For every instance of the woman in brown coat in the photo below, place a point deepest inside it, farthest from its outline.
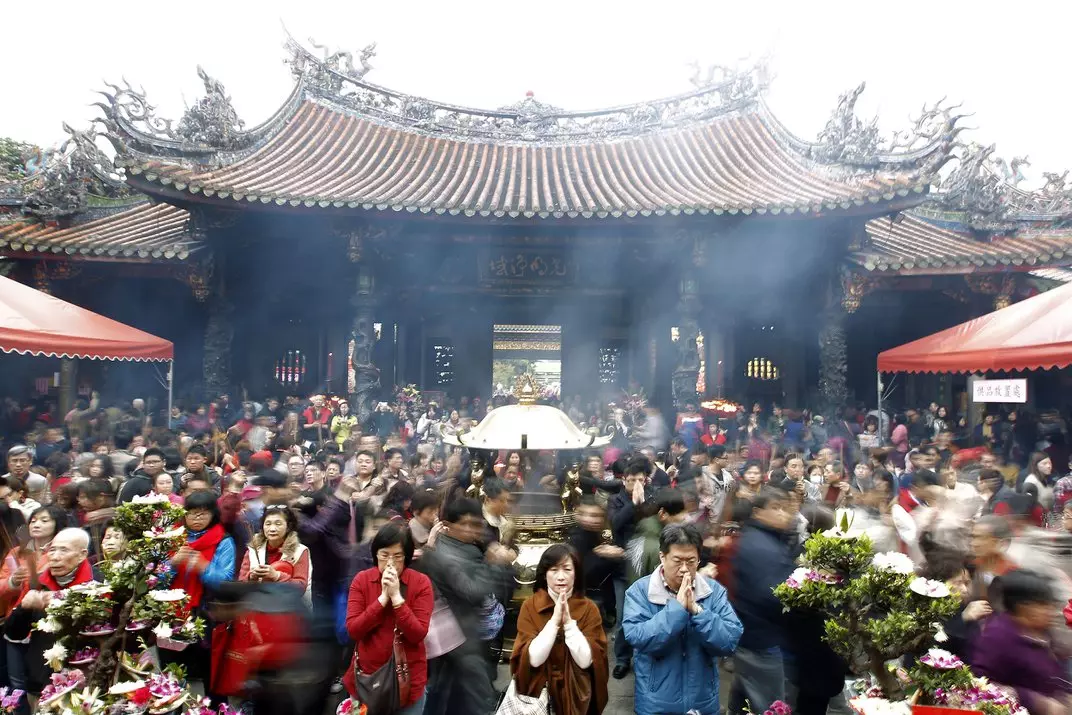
(560, 641)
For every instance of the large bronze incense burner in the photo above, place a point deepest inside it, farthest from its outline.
(539, 519)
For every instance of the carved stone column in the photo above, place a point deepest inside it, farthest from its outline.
(833, 359)
(219, 337)
(365, 382)
(68, 384)
(687, 363)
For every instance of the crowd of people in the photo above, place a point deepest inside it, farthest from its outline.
(403, 549)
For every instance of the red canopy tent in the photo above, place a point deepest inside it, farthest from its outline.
(1034, 334)
(35, 323)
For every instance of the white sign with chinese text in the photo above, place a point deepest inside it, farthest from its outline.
(999, 390)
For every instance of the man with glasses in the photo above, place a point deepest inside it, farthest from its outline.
(19, 460)
(763, 561)
(678, 623)
(141, 481)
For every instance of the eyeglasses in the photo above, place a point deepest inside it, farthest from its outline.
(684, 562)
(397, 558)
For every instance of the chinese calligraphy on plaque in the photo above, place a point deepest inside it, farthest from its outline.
(537, 267)
(999, 390)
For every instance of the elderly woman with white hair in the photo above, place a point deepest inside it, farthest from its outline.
(68, 565)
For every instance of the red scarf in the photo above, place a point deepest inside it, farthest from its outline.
(909, 503)
(907, 500)
(83, 574)
(189, 579)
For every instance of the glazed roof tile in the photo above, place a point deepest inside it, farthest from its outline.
(341, 142)
(144, 232)
(910, 244)
(1058, 275)
(323, 157)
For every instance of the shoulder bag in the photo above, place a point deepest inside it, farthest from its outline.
(387, 690)
(513, 703)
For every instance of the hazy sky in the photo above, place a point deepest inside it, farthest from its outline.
(1007, 62)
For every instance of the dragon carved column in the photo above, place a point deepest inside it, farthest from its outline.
(364, 377)
(833, 352)
(219, 336)
(687, 365)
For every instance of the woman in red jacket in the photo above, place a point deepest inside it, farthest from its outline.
(387, 596)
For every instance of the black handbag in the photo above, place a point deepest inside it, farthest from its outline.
(19, 624)
(384, 691)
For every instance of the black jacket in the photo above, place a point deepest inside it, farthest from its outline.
(209, 474)
(763, 561)
(323, 530)
(138, 485)
(624, 515)
(463, 578)
(818, 670)
(596, 568)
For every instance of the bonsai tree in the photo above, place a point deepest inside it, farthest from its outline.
(105, 629)
(876, 609)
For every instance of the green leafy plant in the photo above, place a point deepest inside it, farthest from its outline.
(875, 608)
(122, 678)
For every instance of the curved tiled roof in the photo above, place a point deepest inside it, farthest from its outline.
(144, 232)
(909, 243)
(323, 157)
(1057, 275)
(344, 143)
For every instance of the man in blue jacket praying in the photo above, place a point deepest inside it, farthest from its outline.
(679, 624)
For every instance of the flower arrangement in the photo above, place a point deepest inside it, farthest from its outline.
(9, 699)
(875, 608)
(203, 707)
(165, 606)
(84, 656)
(634, 402)
(138, 665)
(87, 607)
(346, 707)
(778, 707)
(104, 631)
(941, 679)
(60, 685)
(409, 395)
(551, 392)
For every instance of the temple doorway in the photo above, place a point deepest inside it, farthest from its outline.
(520, 349)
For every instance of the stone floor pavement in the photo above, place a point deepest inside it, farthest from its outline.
(620, 691)
(620, 700)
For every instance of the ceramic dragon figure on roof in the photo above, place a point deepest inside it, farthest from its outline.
(212, 120)
(343, 62)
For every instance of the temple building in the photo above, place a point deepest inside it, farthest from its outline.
(361, 237)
